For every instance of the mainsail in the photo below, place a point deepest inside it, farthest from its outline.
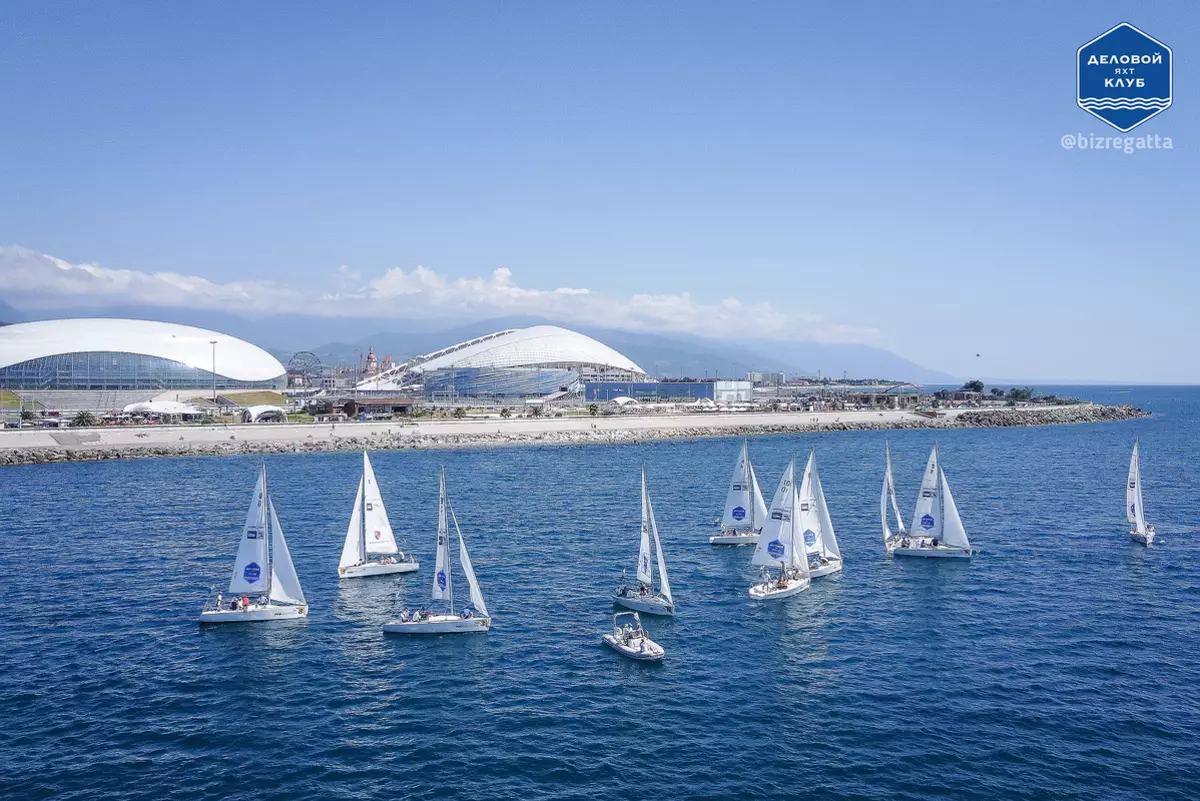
(739, 503)
(759, 509)
(1133, 493)
(353, 551)
(285, 584)
(776, 541)
(378, 531)
(828, 540)
(442, 589)
(664, 584)
(927, 517)
(888, 495)
(645, 568)
(251, 567)
(953, 533)
(808, 521)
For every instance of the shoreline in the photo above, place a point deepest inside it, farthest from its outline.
(42, 446)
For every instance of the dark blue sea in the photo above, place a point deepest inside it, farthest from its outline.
(1061, 662)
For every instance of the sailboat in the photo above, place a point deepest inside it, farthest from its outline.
(1141, 531)
(474, 617)
(643, 598)
(888, 496)
(937, 530)
(824, 556)
(779, 545)
(264, 585)
(745, 509)
(370, 534)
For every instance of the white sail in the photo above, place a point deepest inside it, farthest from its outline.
(884, 494)
(645, 568)
(352, 548)
(379, 537)
(739, 509)
(799, 553)
(664, 584)
(953, 533)
(251, 569)
(759, 516)
(442, 589)
(776, 540)
(285, 584)
(1133, 493)
(927, 516)
(889, 482)
(469, 570)
(828, 539)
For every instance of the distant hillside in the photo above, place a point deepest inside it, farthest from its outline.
(9, 315)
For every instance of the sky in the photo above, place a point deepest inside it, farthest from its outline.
(879, 173)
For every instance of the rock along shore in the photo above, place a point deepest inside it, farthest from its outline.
(42, 446)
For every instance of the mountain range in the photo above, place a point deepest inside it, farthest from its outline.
(340, 340)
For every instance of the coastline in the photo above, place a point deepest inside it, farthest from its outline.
(41, 446)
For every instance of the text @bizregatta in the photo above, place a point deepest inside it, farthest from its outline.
(1117, 144)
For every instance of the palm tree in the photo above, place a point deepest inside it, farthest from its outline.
(83, 420)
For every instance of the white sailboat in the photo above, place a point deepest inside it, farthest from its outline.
(937, 530)
(370, 535)
(1140, 530)
(888, 497)
(264, 585)
(780, 545)
(745, 510)
(824, 555)
(643, 598)
(474, 617)
(629, 639)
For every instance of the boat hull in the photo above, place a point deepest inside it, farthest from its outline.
(833, 566)
(440, 624)
(733, 539)
(653, 652)
(771, 591)
(1144, 539)
(650, 604)
(255, 614)
(377, 569)
(933, 553)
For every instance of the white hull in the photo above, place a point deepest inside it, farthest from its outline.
(377, 569)
(931, 552)
(440, 624)
(733, 539)
(771, 591)
(1144, 539)
(650, 604)
(650, 651)
(255, 614)
(833, 566)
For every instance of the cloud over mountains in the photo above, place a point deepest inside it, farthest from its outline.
(37, 280)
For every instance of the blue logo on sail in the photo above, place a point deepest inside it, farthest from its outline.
(252, 573)
(738, 513)
(927, 522)
(810, 537)
(1131, 509)
(1124, 77)
(776, 549)
(441, 579)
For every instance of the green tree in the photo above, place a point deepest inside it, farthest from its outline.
(997, 392)
(975, 385)
(26, 414)
(83, 420)
(460, 412)
(593, 409)
(535, 411)
(506, 412)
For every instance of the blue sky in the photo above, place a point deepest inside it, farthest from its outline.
(875, 173)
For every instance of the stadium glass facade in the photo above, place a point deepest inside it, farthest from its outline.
(650, 390)
(103, 370)
(497, 383)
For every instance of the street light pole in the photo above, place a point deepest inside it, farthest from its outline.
(213, 342)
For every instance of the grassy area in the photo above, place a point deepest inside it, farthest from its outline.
(260, 398)
(9, 399)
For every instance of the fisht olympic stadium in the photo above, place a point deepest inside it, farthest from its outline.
(540, 361)
(111, 354)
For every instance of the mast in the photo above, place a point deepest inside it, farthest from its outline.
(362, 509)
(750, 476)
(793, 521)
(266, 528)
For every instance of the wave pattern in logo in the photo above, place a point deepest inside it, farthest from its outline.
(1125, 103)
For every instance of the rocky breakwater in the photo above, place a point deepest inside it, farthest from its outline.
(724, 426)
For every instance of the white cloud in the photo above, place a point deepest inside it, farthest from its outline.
(32, 279)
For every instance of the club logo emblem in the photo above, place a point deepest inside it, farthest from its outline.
(776, 549)
(1124, 77)
(927, 522)
(738, 513)
(441, 579)
(252, 572)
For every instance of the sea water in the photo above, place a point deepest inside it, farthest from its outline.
(1061, 661)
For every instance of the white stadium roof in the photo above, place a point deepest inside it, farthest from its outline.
(236, 358)
(528, 347)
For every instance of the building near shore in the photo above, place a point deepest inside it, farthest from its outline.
(670, 391)
(106, 355)
(537, 362)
